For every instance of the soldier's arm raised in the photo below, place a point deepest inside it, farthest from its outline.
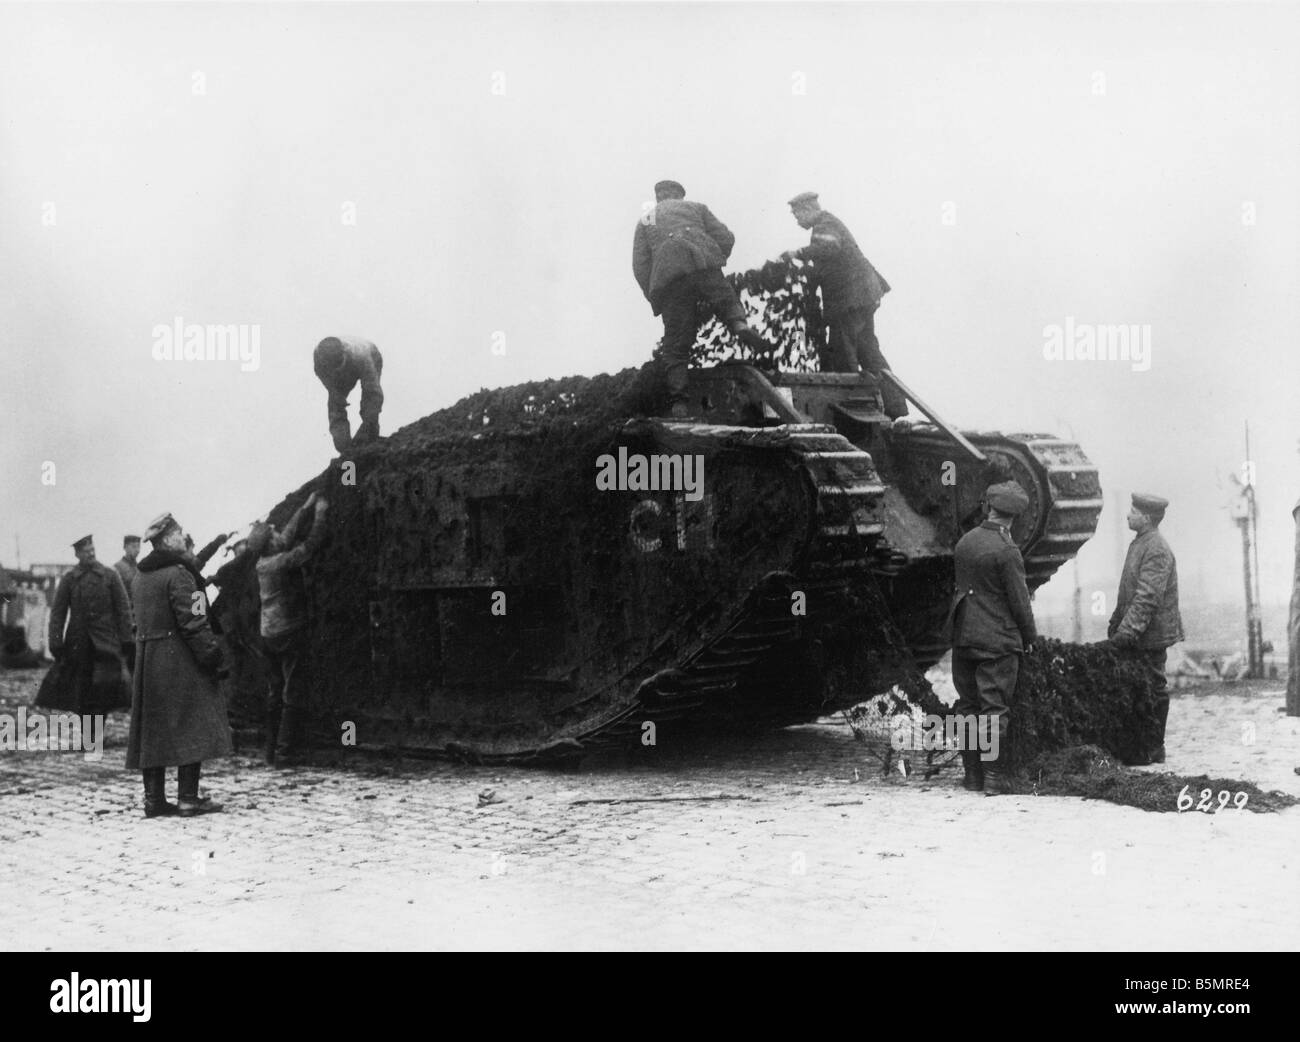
(190, 610)
(823, 245)
(1153, 576)
(303, 552)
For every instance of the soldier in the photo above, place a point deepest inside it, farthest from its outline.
(178, 717)
(341, 362)
(851, 292)
(88, 677)
(992, 625)
(1146, 620)
(126, 568)
(284, 624)
(677, 255)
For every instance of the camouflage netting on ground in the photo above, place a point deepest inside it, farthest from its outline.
(783, 306)
(1094, 774)
(1081, 694)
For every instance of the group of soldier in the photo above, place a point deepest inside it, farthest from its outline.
(151, 615)
(993, 624)
(678, 250)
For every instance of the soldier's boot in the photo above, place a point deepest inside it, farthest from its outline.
(974, 777)
(289, 751)
(155, 793)
(189, 802)
(997, 780)
(1162, 714)
(272, 736)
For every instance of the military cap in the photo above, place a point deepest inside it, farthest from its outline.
(669, 188)
(160, 526)
(1149, 504)
(804, 197)
(83, 542)
(127, 540)
(1007, 498)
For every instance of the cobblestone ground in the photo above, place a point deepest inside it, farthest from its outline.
(788, 840)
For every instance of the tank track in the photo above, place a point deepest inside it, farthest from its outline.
(847, 494)
(1064, 490)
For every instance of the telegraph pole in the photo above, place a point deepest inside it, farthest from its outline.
(1246, 516)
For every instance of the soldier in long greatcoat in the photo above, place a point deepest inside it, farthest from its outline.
(178, 716)
(92, 654)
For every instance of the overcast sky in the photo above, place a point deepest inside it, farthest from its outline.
(1006, 167)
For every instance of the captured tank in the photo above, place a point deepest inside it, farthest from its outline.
(544, 569)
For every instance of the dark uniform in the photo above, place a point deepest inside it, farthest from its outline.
(992, 623)
(1146, 620)
(92, 656)
(851, 292)
(284, 628)
(178, 716)
(360, 363)
(677, 256)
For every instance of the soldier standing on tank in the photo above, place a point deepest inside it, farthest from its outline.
(992, 625)
(1146, 620)
(677, 255)
(851, 292)
(341, 362)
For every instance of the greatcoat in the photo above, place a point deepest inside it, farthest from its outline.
(90, 674)
(177, 713)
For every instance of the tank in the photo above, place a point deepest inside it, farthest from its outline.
(547, 569)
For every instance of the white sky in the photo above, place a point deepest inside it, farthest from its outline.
(480, 212)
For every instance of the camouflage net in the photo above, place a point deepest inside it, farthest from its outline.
(783, 306)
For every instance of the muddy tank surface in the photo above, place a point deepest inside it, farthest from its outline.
(479, 594)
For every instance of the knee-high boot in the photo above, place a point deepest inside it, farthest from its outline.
(155, 793)
(189, 802)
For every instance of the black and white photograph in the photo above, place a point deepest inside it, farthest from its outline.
(651, 477)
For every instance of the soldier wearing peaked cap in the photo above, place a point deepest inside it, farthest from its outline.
(678, 252)
(94, 652)
(992, 625)
(851, 293)
(1146, 620)
(178, 717)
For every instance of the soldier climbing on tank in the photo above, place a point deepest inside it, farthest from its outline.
(281, 556)
(677, 255)
(341, 362)
(851, 292)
